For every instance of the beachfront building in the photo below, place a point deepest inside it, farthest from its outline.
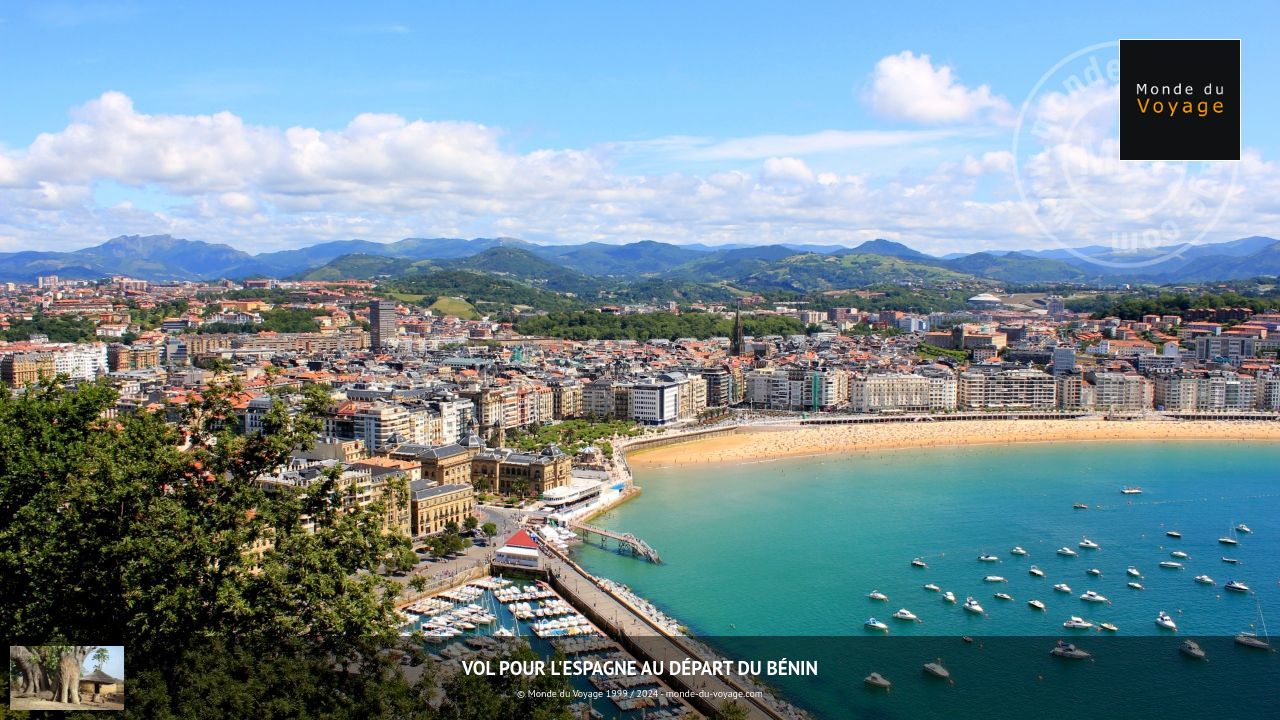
(993, 388)
(509, 472)
(432, 506)
(1120, 392)
(927, 390)
(778, 388)
(607, 397)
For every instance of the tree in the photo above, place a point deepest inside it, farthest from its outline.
(732, 710)
(470, 523)
(489, 529)
(418, 583)
(403, 559)
(101, 656)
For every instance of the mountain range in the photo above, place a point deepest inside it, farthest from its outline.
(598, 266)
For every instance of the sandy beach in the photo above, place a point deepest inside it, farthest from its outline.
(754, 444)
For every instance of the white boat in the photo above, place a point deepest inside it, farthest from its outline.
(1179, 554)
(1109, 627)
(1228, 541)
(1091, 596)
(1018, 550)
(1067, 552)
(931, 587)
(1236, 586)
(988, 558)
(1077, 623)
(972, 605)
(949, 596)
(1230, 561)
(875, 624)
(1127, 490)
(1062, 588)
(1065, 649)
(1173, 534)
(877, 680)
(994, 579)
(905, 614)
(1088, 544)
(1135, 586)
(1133, 572)
(1036, 604)
(877, 595)
(1036, 571)
(919, 562)
(1243, 528)
(1171, 565)
(937, 670)
(1204, 579)
(1003, 596)
(1095, 572)
(1250, 639)
(1166, 622)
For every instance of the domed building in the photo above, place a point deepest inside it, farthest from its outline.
(985, 301)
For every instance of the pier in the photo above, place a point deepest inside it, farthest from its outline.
(638, 547)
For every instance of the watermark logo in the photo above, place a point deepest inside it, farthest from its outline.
(1119, 214)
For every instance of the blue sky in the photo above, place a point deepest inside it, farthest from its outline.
(623, 111)
(114, 666)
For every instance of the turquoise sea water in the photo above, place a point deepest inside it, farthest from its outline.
(792, 547)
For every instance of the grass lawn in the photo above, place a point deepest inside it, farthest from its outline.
(455, 307)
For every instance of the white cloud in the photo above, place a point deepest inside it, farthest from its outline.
(907, 86)
(383, 177)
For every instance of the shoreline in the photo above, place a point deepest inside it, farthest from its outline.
(756, 444)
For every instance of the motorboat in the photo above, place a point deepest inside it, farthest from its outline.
(988, 558)
(1228, 540)
(1133, 572)
(1036, 604)
(1036, 571)
(1135, 586)
(949, 596)
(1065, 649)
(905, 614)
(1173, 534)
(1204, 580)
(1003, 596)
(994, 579)
(1018, 550)
(937, 670)
(1067, 552)
(1080, 506)
(1230, 561)
(1243, 528)
(1166, 622)
(1171, 565)
(1109, 627)
(1191, 649)
(931, 587)
(971, 605)
(919, 562)
(1091, 596)
(1130, 490)
(1088, 544)
(1179, 554)
(877, 595)
(875, 624)
(1062, 588)
(1095, 572)
(877, 680)
(1236, 586)
(1077, 623)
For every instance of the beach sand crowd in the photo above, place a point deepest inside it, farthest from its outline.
(765, 442)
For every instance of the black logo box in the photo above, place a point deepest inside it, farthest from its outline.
(1160, 77)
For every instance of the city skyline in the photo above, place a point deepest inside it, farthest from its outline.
(703, 129)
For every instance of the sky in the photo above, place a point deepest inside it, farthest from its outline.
(114, 666)
(275, 125)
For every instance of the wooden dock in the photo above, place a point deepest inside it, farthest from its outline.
(638, 547)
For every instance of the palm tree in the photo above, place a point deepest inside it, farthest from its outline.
(100, 657)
